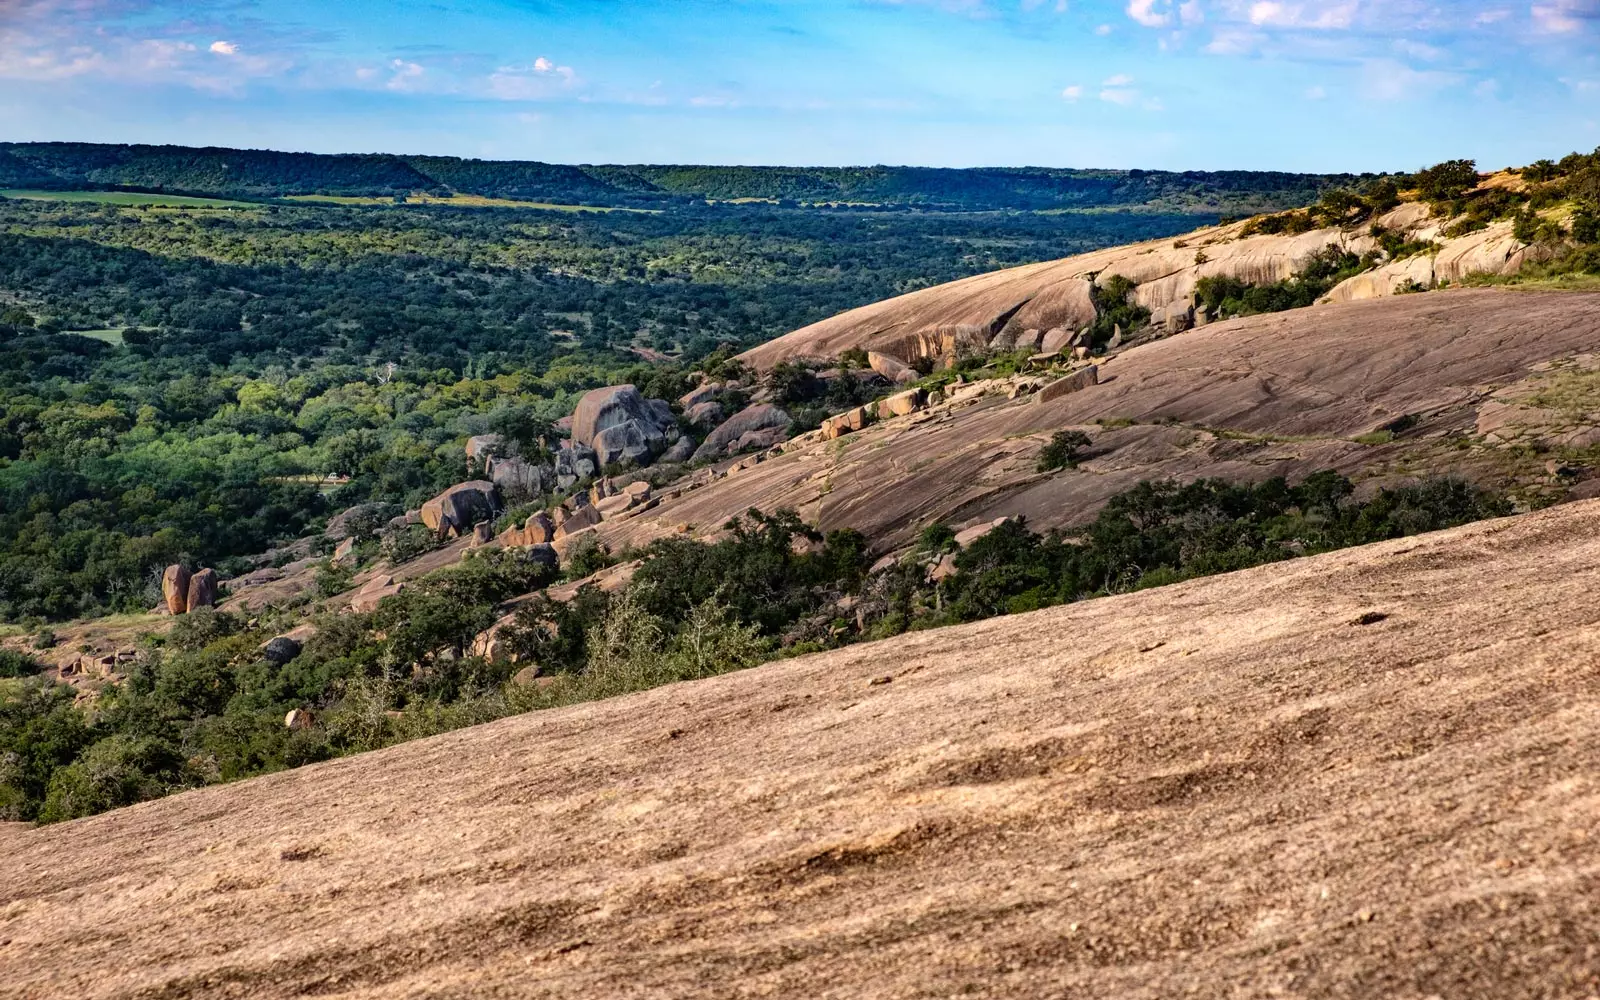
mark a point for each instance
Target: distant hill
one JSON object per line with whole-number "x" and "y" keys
{"x": 269, "y": 174}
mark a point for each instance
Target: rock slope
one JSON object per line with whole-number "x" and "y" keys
{"x": 1460, "y": 373}
{"x": 1372, "y": 773}
{"x": 1024, "y": 304}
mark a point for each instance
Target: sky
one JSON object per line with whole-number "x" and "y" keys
{"x": 1312, "y": 85}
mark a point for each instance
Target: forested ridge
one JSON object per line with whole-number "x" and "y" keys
{"x": 269, "y": 174}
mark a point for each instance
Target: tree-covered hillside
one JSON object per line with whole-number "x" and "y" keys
{"x": 267, "y": 174}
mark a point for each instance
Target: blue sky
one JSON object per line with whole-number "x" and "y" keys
{"x": 1180, "y": 84}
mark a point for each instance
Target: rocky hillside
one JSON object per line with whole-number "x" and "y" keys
{"x": 1371, "y": 773}
{"x": 1496, "y": 386}
{"x": 1047, "y": 306}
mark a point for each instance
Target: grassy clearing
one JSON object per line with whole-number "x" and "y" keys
{"x": 1555, "y": 283}
{"x": 460, "y": 201}
{"x": 127, "y": 198}
{"x": 112, "y": 337}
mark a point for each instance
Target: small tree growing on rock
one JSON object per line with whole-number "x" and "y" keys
{"x": 1064, "y": 451}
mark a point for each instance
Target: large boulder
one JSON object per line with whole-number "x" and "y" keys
{"x": 619, "y": 424}
{"x": 1078, "y": 381}
{"x": 175, "y": 589}
{"x": 891, "y": 368}
{"x": 902, "y": 404}
{"x": 520, "y": 476}
{"x": 574, "y": 463}
{"x": 483, "y": 446}
{"x": 682, "y": 450}
{"x": 203, "y": 589}
{"x": 458, "y": 508}
{"x": 706, "y": 414}
{"x": 725, "y": 439}
{"x": 704, "y": 394}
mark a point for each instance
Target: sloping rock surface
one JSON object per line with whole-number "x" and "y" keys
{"x": 1044, "y": 304}
{"x": 1368, "y": 774}
{"x": 1286, "y": 394}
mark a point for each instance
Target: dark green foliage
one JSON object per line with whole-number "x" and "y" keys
{"x": 1224, "y": 296}
{"x": 263, "y": 173}
{"x": 15, "y": 664}
{"x": 756, "y": 570}
{"x": 1114, "y": 305}
{"x": 1063, "y": 451}
{"x": 1448, "y": 181}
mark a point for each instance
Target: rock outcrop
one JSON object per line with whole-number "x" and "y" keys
{"x": 761, "y": 421}
{"x": 619, "y": 425}
{"x": 1078, "y": 381}
{"x": 175, "y": 589}
{"x": 573, "y": 464}
{"x": 1038, "y": 306}
{"x": 457, "y": 509}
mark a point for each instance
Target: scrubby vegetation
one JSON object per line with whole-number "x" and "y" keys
{"x": 242, "y": 358}
{"x": 1223, "y": 296}
{"x": 204, "y": 704}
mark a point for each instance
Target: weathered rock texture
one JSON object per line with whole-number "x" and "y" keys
{"x": 1040, "y": 305}
{"x": 762, "y": 418}
{"x": 619, "y": 424}
{"x": 1286, "y": 394}
{"x": 1228, "y": 787}
{"x": 457, "y": 509}
{"x": 175, "y": 589}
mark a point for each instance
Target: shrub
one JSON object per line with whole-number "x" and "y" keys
{"x": 1063, "y": 451}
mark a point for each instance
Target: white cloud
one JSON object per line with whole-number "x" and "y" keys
{"x": 1390, "y": 80}
{"x": 1273, "y": 13}
{"x": 542, "y": 80}
{"x": 1146, "y": 13}
{"x": 222, "y": 48}
{"x": 1191, "y": 13}
{"x": 1565, "y": 17}
{"x": 1117, "y": 95}
{"x": 1103, "y": 30}
{"x": 1316, "y": 93}
{"x": 1120, "y": 80}
{"x": 1072, "y": 93}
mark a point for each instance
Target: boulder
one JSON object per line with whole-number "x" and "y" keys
{"x": 850, "y": 420}
{"x": 481, "y": 446}
{"x": 543, "y": 553}
{"x": 175, "y": 589}
{"x": 640, "y": 491}
{"x": 203, "y": 589}
{"x": 1079, "y": 380}
{"x": 539, "y": 529}
{"x": 620, "y": 424}
{"x": 967, "y": 536}
{"x": 902, "y": 404}
{"x": 458, "y": 508}
{"x": 891, "y": 368}
{"x": 518, "y": 475}
{"x": 704, "y": 394}
{"x": 299, "y": 719}
{"x": 707, "y": 414}
{"x": 1054, "y": 340}
{"x": 345, "y": 549}
{"x": 612, "y": 506}
{"x": 760, "y": 417}
{"x": 482, "y": 533}
{"x": 574, "y": 463}
{"x": 760, "y": 440}
{"x": 682, "y": 450}
{"x": 633, "y": 441}
{"x": 280, "y": 650}
{"x": 586, "y": 516}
